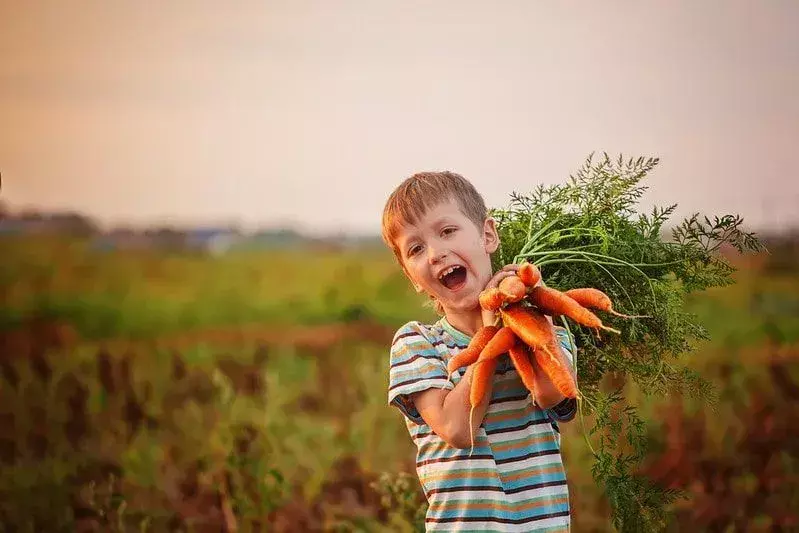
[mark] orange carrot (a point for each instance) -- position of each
(554, 302)
(486, 364)
(512, 289)
(500, 343)
(528, 324)
(491, 299)
(481, 378)
(534, 329)
(563, 379)
(596, 299)
(470, 354)
(529, 274)
(520, 356)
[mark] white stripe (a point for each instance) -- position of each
(437, 382)
(552, 491)
(459, 464)
(508, 406)
(497, 526)
(532, 462)
(534, 430)
(434, 469)
(454, 497)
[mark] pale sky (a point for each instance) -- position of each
(310, 112)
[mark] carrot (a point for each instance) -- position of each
(596, 299)
(562, 379)
(528, 324)
(500, 343)
(554, 302)
(534, 329)
(512, 289)
(491, 299)
(481, 377)
(529, 274)
(520, 356)
(470, 354)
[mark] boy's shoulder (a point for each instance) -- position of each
(418, 335)
(415, 330)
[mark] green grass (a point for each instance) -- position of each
(145, 294)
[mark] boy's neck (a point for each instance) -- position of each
(467, 323)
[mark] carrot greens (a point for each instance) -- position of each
(587, 232)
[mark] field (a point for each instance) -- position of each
(145, 391)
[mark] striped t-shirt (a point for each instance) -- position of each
(515, 478)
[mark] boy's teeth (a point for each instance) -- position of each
(447, 271)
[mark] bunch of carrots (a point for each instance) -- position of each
(523, 331)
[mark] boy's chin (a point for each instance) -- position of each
(462, 305)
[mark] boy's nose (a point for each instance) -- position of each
(436, 255)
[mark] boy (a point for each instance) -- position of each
(436, 223)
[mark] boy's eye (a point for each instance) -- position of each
(447, 231)
(413, 250)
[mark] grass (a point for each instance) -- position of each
(145, 294)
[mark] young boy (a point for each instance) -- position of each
(514, 480)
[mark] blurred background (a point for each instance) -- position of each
(196, 304)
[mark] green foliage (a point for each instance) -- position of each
(144, 294)
(587, 233)
(400, 496)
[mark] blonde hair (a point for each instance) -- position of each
(422, 191)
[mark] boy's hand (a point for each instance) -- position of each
(508, 270)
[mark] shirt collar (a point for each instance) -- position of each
(459, 336)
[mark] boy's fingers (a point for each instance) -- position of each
(499, 276)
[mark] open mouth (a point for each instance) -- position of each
(453, 278)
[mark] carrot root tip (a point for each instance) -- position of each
(471, 430)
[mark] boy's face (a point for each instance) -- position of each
(448, 257)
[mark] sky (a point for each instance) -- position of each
(309, 113)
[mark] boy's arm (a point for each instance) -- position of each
(447, 411)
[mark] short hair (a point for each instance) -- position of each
(423, 191)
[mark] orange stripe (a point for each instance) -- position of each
(499, 506)
(524, 443)
(461, 475)
(520, 475)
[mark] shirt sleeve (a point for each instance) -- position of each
(416, 365)
(567, 408)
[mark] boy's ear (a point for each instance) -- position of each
(490, 235)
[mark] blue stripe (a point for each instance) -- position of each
(535, 480)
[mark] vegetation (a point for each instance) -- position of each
(177, 392)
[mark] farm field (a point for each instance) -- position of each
(173, 392)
